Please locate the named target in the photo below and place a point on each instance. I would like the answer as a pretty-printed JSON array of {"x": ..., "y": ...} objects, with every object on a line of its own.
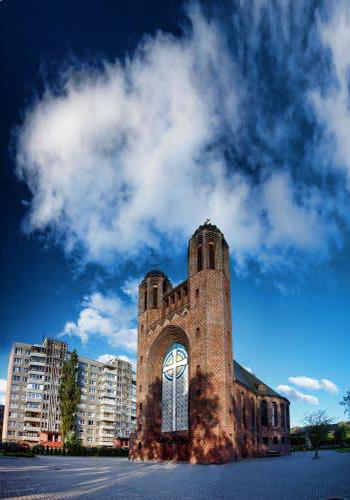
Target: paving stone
[{"x": 294, "y": 477}]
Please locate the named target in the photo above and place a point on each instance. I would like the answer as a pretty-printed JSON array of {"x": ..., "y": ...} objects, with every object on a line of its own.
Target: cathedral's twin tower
[{"x": 185, "y": 362}]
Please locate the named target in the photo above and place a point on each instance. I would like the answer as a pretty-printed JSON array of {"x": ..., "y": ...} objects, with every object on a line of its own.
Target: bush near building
[{"x": 81, "y": 451}]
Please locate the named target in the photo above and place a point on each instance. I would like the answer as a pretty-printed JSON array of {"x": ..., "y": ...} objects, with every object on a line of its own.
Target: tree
[
  {"x": 318, "y": 426},
  {"x": 342, "y": 433},
  {"x": 69, "y": 394},
  {"x": 346, "y": 403}
]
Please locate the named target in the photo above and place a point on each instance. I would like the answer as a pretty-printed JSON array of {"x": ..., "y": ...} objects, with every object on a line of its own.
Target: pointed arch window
[
  {"x": 274, "y": 414},
  {"x": 283, "y": 416},
  {"x": 243, "y": 411},
  {"x": 175, "y": 389},
  {"x": 155, "y": 297},
  {"x": 263, "y": 413},
  {"x": 253, "y": 415},
  {"x": 211, "y": 251}
]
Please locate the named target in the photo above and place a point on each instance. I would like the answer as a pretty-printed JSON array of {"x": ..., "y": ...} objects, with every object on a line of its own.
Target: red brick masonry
[{"x": 232, "y": 414}]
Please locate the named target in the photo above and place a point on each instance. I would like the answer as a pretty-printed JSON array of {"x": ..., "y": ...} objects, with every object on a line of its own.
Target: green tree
[
  {"x": 346, "y": 403},
  {"x": 342, "y": 433},
  {"x": 318, "y": 426},
  {"x": 69, "y": 394}
]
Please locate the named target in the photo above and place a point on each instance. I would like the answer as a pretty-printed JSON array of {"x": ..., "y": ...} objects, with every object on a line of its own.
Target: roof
[
  {"x": 156, "y": 273},
  {"x": 206, "y": 225},
  {"x": 252, "y": 382}
]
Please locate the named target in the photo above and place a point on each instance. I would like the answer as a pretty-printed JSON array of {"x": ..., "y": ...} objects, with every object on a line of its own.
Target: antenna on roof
[{"x": 207, "y": 222}]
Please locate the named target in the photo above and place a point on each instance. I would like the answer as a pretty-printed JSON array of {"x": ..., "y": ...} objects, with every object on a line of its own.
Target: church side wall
[{"x": 253, "y": 439}]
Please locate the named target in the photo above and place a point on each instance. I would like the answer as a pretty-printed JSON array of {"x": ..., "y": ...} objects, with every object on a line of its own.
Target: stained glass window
[{"x": 175, "y": 389}]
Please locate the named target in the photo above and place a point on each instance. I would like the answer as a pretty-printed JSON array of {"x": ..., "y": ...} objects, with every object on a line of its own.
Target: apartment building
[
  {"x": 106, "y": 411},
  {"x": 31, "y": 401}
]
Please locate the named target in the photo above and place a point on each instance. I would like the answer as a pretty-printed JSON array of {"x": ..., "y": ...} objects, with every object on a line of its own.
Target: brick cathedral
[{"x": 195, "y": 403}]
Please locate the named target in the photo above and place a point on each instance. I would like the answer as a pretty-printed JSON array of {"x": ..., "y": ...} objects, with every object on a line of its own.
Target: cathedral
[{"x": 194, "y": 401}]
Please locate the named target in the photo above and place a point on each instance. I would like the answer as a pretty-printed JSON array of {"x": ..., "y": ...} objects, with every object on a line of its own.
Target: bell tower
[{"x": 185, "y": 365}]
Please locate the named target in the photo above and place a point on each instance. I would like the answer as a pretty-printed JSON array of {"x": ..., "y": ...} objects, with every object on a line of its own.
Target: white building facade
[{"x": 32, "y": 414}]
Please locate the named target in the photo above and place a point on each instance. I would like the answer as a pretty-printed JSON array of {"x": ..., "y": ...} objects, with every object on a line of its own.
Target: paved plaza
[{"x": 294, "y": 477}]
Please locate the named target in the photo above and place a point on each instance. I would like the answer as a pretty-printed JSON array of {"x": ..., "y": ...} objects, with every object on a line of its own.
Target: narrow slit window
[
  {"x": 211, "y": 255},
  {"x": 155, "y": 297},
  {"x": 199, "y": 258},
  {"x": 145, "y": 300}
]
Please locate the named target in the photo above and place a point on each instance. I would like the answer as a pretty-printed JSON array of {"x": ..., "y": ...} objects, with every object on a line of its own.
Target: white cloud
[
  {"x": 248, "y": 369},
  {"x": 107, "y": 358},
  {"x": 332, "y": 107},
  {"x": 131, "y": 288},
  {"x": 106, "y": 316},
  {"x": 124, "y": 158},
  {"x": 292, "y": 393},
  {"x": 311, "y": 383},
  {"x": 3, "y": 384}
]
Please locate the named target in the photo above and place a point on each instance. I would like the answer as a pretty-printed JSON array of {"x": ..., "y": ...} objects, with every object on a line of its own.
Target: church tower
[{"x": 185, "y": 361}]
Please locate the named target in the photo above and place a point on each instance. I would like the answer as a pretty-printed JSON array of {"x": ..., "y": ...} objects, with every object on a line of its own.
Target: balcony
[
  {"x": 106, "y": 418},
  {"x": 32, "y": 419},
  {"x": 30, "y": 438},
  {"x": 36, "y": 370},
  {"x": 107, "y": 427},
  {"x": 39, "y": 362},
  {"x": 33, "y": 410},
  {"x": 38, "y": 354},
  {"x": 109, "y": 396},
  {"x": 31, "y": 428}
]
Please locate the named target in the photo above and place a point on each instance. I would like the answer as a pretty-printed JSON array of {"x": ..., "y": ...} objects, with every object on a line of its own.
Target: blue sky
[{"x": 119, "y": 138}]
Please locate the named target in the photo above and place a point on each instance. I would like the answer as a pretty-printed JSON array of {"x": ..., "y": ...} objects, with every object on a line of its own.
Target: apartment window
[
  {"x": 18, "y": 360},
  {"x": 90, "y": 422},
  {"x": 16, "y": 377},
  {"x": 18, "y": 350}
]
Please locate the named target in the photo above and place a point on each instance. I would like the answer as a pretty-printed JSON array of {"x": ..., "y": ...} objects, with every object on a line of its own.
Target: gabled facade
[{"x": 191, "y": 404}]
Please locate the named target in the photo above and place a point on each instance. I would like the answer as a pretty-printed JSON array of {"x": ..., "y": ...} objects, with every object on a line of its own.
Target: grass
[{"x": 344, "y": 450}]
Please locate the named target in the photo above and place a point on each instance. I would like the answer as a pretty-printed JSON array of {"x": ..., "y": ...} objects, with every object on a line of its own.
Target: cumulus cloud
[
  {"x": 248, "y": 369},
  {"x": 332, "y": 105},
  {"x": 105, "y": 316},
  {"x": 3, "y": 384},
  {"x": 311, "y": 383},
  {"x": 293, "y": 394},
  {"x": 121, "y": 159},
  {"x": 108, "y": 358}
]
